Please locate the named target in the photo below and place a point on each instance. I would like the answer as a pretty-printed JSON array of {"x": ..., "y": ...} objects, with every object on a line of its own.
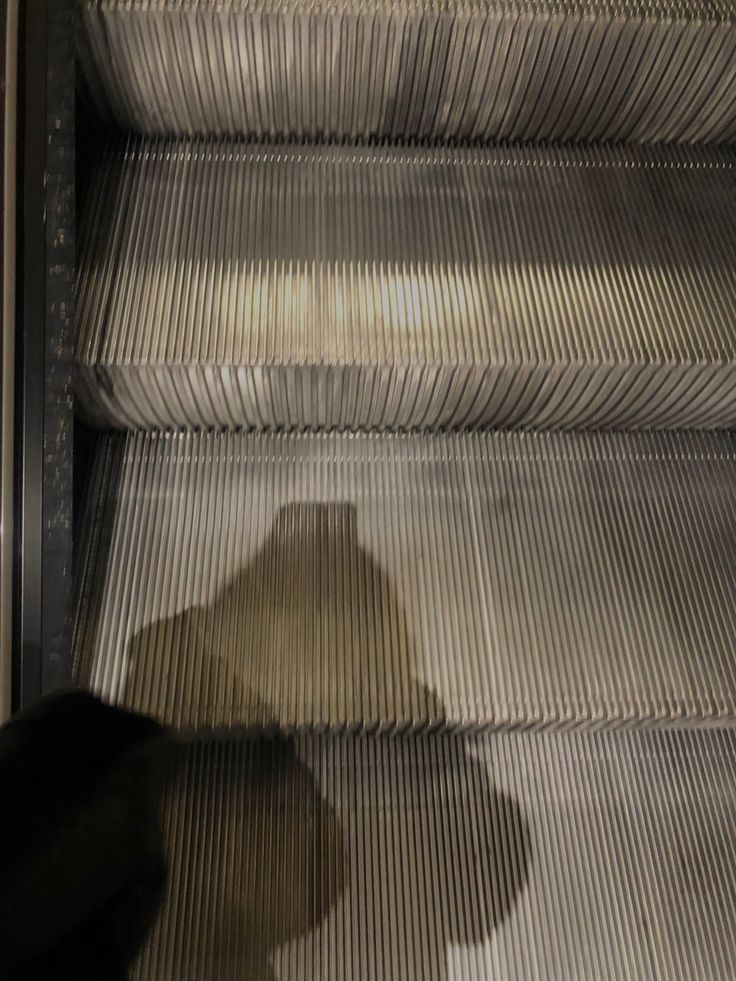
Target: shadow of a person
[
  {"x": 311, "y": 635},
  {"x": 308, "y": 635}
]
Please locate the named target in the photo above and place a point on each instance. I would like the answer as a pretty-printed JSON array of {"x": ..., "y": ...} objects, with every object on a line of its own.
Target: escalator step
[
  {"x": 430, "y": 859},
  {"x": 223, "y": 285},
  {"x": 407, "y": 582},
  {"x": 631, "y": 71}
]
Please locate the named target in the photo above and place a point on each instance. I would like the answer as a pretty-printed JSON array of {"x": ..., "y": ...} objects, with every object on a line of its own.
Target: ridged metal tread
[
  {"x": 408, "y": 582},
  {"x": 438, "y": 858},
  {"x": 631, "y": 71},
  {"x": 227, "y": 285}
]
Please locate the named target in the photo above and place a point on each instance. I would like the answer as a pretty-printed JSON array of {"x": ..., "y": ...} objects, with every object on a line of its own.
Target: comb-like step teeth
[
  {"x": 407, "y": 69},
  {"x": 408, "y": 582},
  {"x": 231, "y": 286},
  {"x": 445, "y": 859}
]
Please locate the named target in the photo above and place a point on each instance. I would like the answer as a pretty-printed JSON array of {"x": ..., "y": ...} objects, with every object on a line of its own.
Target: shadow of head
[{"x": 311, "y": 626}]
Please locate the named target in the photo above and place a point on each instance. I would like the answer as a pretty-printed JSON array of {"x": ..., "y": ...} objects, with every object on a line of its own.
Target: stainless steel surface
[
  {"x": 254, "y": 583},
  {"x": 226, "y": 285},
  {"x": 635, "y": 71},
  {"x": 383, "y": 582},
  {"x": 431, "y": 859}
]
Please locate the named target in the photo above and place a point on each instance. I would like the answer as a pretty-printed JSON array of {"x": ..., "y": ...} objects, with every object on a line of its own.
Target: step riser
[
  {"x": 409, "y": 583},
  {"x": 403, "y": 72},
  {"x": 227, "y": 286}
]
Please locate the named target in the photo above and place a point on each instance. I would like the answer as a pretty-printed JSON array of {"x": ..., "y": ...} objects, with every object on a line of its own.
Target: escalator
[{"x": 404, "y": 358}]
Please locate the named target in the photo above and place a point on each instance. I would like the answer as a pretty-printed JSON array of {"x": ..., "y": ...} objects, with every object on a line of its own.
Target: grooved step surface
[
  {"x": 434, "y": 859},
  {"x": 386, "y": 582},
  {"x": 631, "y": 71},
  {"x": 231, "y": 286}
]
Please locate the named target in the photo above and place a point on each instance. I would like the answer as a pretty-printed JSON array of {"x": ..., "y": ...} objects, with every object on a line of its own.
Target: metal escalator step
[
  {"x": 406, "y": 582},
  {"x": 630, "y": 71},
  {"x": 232, "y": 286},
  {"x": 438, "y": 858}
]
